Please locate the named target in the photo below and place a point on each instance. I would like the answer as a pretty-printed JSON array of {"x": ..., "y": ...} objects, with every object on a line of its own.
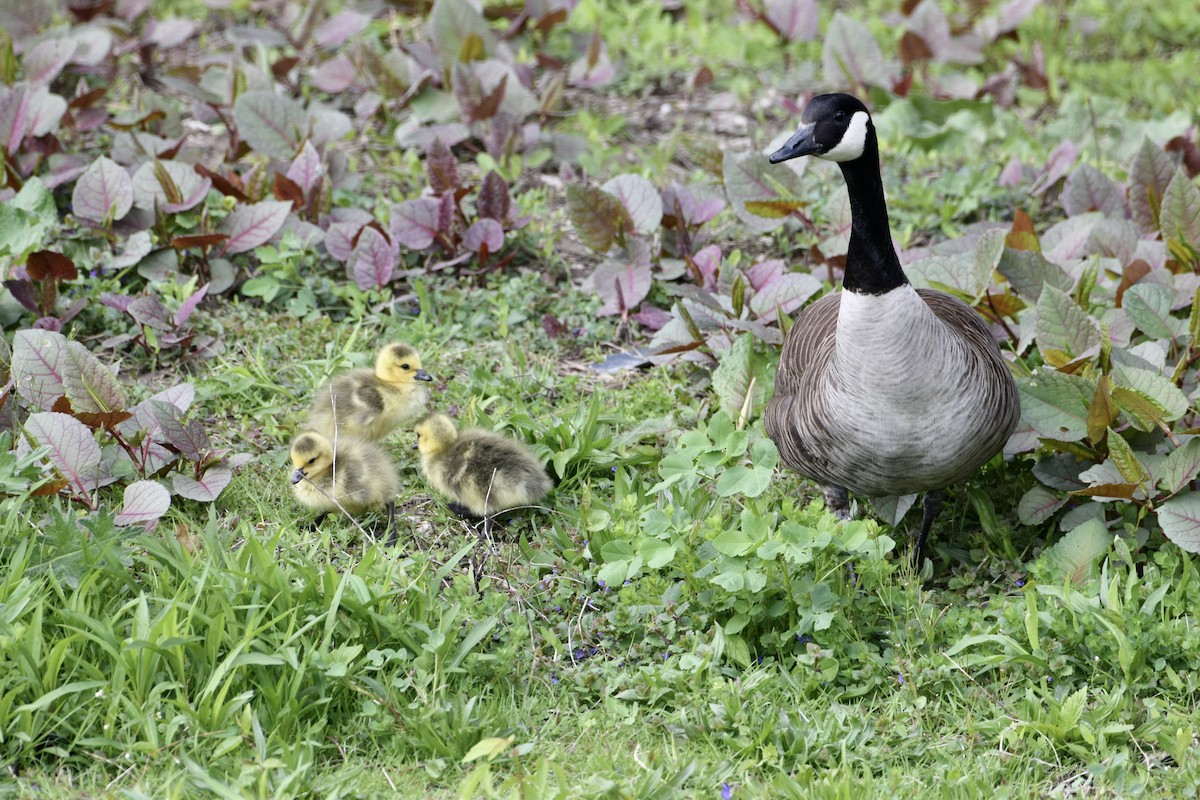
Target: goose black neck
[{"x": 871, "y": 263}]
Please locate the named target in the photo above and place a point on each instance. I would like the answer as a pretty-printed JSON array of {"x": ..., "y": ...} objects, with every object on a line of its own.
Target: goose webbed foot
[
  {"x": 930, "y": 508},
  {"x": 837, "y": 500},
  {"x": 461, "y": 510}
]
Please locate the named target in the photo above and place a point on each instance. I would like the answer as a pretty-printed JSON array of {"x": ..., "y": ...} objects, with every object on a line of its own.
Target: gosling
[
  {"x": 355, "y": 476},
  {"x": 482, "y": 472},
  {"x": 371, "y": 403}
]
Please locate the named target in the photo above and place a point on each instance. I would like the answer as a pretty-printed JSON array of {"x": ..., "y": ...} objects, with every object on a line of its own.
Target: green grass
[{"x": 747, "y": 645}]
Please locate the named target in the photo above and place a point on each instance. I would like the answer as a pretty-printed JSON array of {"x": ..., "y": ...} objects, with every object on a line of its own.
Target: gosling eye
[
  {"x": 404, "y": 366},
  {"x": 311, "y": 460}
]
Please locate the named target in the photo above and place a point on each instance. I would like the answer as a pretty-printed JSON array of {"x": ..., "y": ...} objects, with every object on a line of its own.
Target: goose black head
[{"x": 834, "y": 127}]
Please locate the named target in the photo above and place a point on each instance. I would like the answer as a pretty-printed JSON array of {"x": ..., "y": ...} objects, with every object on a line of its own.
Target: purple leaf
[
  {"x": 375, "y": 260},
  {"x": 794, "y": 20},
  {"x": 149, "y": 312},
  {"x": 306, "y": 169},
  {"x": 592, "y": 72},
  {"x": 28, "y": 111},
  {"x": 104, "y": 193},
  {"x": 708, "y": 261},
  {"x": 335, "y": 75},
  {"x": 340, "y": 27},
  {"x": 484, "y": 233},
  {"x": 144, "y": 417},
  {"x": 189, "y": 439},
  {"x": 415, "y": 222},
  {"x": 1088, "y": 189},
  {"x": 88, "y": 384},
  {"x": 158, "y": 183},
  {"x": 38, "y": 361},
  {"x": 1179, "y": 217},
  {"x": 416, "y": 136},
  {"x": 493, "y": 201},
  {"x": 205, "y": 490},
  {"x": 26, "y": 293},
  {"x": 781, "y": 292},
  {"x": 45, "y": 60},
  {"x": 170, "y": 32},
  {"x": 131, "y": 9},
  {"x": 189, "y": 305},
  {"x": 1010, "y": 176},
  {"x": 624, "y": 283},
  {"x": 1149, "y": 175},
  {"x": 1068, "y": 239},
  {"x": 272, "y": 124},
  {"x": 327, "y": 124},
  {"x": 762, "y": 195},
  {"x": 145, "y": 502},
  {"x": 251, "y": 226},
  {"x": 1057, "y": 165},
  {"x": 339, "y": 239},
  {"x": 642, "y": 201},
  {"x": 598, "y": 217},
  {"x": 929, "y": 22},
  {"x": 851, "y": 55},
  {"x": 696, "y": 209},
  {"x": 73, "y": 450}
]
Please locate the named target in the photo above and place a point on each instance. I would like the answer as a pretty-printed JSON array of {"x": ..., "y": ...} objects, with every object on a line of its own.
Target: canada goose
[
  {"x": 881, "y": 388},
  {"x": 480, "y": 471},
  {"x": 355, "y": 476},
  {"x": 371, "y": 403}
]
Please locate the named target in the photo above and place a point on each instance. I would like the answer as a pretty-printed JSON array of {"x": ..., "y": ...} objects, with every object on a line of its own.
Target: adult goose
[{"x": 883, "y": 389}]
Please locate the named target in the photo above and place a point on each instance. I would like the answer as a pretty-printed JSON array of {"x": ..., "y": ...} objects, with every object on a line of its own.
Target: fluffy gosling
[
  {"x": 356, "y": 476},
  {"x": 481, "y": 472},
  {"x": 371, "y": 403}
]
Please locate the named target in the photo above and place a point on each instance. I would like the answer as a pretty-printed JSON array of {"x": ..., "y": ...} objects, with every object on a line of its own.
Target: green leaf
[
  {"x": 965, "y": 274},
  {"x": 1062, "y": 325},
  {"x": 1180, "y": 215},
  {"x": 26, "y": 219},
  {"x": 488, "y": 748},
  {"x": 733, "y": 542},
  {"x": 1125, "y": 460},
  {"x": 1181, "y": 467},
  {"x": 1148, "y": 306},
  {"x": 736, "y": 378},
  {"x": 1179, "y": 518},
  {"x": 1076, "y": 554},
  {"x": 1150, "y": 387},
  {"x": 656, "y": 553},
  {"x": 745, "y": 481},
  {"x": 1056, "y": 404}
]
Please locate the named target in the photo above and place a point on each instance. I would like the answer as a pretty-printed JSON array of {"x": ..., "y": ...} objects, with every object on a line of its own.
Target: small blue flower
[
  {"x": 1020, "y": 583},
  {"x": 900, "y": 678},
  {"x": 726, "y": 791}
]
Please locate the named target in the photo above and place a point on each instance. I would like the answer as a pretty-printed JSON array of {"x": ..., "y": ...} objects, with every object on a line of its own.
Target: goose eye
[
  {"x": 404, "y": 366},
  {"x": 311, "y": 460},
  {"x": 840, "y": 115}
]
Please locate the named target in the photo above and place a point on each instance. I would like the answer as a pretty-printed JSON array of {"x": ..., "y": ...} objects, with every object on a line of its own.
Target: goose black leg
[
  {"x": 461, "y": 510},
  {"x": 391, "y": 528},
  {"x": 837, "y": 500},
  {"x": 316, "y": 522},
  {"x": 931, "y": 507}
]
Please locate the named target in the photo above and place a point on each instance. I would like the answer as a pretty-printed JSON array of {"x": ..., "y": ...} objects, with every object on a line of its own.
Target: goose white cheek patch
[{"x": 854, "y": 140}]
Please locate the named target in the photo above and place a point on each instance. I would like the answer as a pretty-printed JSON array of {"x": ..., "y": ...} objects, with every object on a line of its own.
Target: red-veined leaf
[
  {"x": 73, "y": 450},
  {"x": 251, "y": 226},
  {"x": 145, "y": 503}
]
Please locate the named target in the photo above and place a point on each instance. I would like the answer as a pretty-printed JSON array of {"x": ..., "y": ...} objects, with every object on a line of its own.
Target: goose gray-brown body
[
  {"x": 481, "y": 471},
  {"x": 351, "y": 475},
  {"x": 371, "y": 403},
  {"x": 883, "y": 389}
]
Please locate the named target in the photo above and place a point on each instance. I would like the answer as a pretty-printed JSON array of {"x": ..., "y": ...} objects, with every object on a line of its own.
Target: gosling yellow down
[
  {"x": 356, "y": 476},
  {"x": 481, "y": 472},
  {"x": 371, "y": 403}
]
